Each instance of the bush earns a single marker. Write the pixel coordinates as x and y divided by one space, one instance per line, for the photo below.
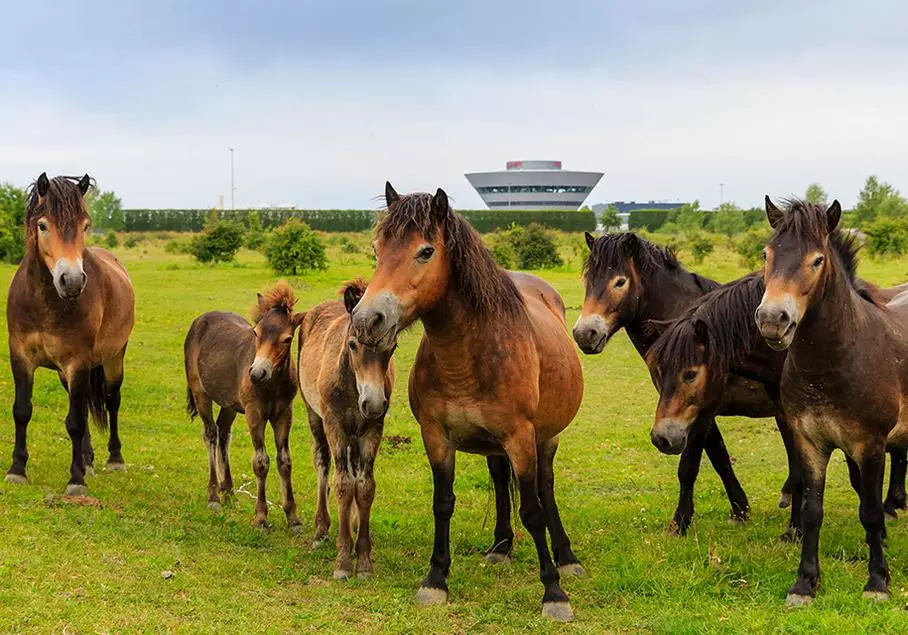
887 236
295 248
178 246
12 218
649 219
131 242
750 246
700 244
111 240
503 251
219 242
531 247
255 232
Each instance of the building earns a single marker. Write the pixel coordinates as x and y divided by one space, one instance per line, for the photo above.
534 185
624 209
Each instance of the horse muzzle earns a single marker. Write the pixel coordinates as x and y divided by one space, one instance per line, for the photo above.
69 279
669 436
591 333
376 323
260 371
372 401
777 322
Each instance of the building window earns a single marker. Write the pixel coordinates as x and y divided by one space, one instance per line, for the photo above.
533 189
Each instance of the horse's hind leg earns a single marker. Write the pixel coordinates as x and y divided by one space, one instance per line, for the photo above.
210 434
344 492
895 498
88 452
500 471
225 428
281 428
113 379
23 376
718 456
872 518
567 562
321 460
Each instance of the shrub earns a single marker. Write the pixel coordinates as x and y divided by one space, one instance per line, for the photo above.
503 250
255 232
649 219
178 246
219 242
887 236
12 217
750 246
531 247
131 242
350 248
295 248
111 240
700 244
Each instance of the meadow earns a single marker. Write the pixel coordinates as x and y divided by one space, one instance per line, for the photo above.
151 557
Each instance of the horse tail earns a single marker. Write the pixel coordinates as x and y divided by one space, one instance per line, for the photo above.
97 394
191 408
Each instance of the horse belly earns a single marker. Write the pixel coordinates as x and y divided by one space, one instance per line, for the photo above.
560 380
467 432
309 391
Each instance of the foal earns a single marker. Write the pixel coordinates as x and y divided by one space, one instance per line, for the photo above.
346 386
245 369
844 383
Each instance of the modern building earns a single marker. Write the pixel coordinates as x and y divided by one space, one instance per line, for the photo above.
534 185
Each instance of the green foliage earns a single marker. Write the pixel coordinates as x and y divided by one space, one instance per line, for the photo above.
700 244
131 242
175 246
111 240
651 220
750 246
255 232
878 199
294 248
685 220
728 219
12 223
609 219
106 210
530 247
815 194
219 242
887 236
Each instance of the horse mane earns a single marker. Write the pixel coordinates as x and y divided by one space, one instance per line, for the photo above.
357 283
63 204
280 296
485 287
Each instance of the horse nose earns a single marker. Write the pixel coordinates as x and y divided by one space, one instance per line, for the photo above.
772 318
256 374
668 437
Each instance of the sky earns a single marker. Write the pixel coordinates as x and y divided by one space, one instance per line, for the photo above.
325 101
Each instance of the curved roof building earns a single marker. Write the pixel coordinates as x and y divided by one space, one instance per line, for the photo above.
534 185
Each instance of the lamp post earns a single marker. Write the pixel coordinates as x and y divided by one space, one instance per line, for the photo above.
721 193
232 189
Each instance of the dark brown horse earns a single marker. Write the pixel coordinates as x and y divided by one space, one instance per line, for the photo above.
347 388
70 309
844 382
246 369
496 372
629 284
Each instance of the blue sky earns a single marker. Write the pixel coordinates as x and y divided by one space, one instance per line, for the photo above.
324 101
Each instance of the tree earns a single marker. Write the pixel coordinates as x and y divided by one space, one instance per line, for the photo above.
106 210
12 222
878 199
609 218
219 241
687 219
294 248
728 220
815 194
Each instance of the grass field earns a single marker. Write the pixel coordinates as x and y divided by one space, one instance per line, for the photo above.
86 569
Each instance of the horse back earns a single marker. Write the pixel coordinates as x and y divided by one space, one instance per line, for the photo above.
218 349
322 337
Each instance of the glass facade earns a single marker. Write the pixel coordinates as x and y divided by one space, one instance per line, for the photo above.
534 189
536 204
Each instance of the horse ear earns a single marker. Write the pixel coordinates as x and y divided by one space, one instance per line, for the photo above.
352 295
590 239
42 184
773 213
631 244
833 214
261 298
440 206
391 196
701 332
297 318
84 184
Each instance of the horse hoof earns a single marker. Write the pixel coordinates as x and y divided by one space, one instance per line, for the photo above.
876 596
340 574
364 575
427 596
736 519
16 479
296 529
214 506
319 542
674 529
116 466
89 470
796 599
784 501
891 515
572 568
790 535
262 527
558 611
75 489
493 557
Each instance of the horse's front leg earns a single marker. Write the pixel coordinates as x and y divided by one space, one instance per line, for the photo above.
260 464
365 495
78 381
440 452
282 427
24 377
721 461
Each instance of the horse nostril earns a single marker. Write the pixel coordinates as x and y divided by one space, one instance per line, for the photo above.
376 320
783 317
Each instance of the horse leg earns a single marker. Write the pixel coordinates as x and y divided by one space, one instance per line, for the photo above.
688 469
790 484
321 460
872 464
76 422
23 376
500 472
344 492
856 478
365 496
567 562
88 453
210 434
896 498
281 428
813 462
260 465
521 449
718 456
440 452
113 379
225 434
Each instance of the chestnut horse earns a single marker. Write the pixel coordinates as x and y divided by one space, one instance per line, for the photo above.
496 372
347 387
246 369
844 383
71 308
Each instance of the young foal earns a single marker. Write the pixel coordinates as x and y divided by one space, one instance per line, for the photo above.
844 383
245 369
70 309
496 372
347 387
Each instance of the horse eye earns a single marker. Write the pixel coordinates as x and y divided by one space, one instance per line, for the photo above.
287 339
620 282
818 261
689 376
42 226
352 345
763 255
425 253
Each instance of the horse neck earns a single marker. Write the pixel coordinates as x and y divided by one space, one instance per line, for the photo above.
666 294
40 283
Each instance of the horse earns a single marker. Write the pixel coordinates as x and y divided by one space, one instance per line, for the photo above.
70 308
496 372
845 353
346 387
631 283
245 369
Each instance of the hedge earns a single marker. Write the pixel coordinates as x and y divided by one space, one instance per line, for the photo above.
648 219
345 220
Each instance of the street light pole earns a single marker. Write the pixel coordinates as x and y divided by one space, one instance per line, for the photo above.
721 193
232 189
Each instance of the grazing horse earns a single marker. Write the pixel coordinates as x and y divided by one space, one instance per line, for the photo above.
496 372
844 382
630 283
346 386
245 369
71 308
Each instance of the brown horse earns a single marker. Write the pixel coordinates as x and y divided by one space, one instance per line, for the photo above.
246 369
70 309
496 372
347 387
844 382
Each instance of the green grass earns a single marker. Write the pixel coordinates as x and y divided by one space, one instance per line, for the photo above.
65 568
